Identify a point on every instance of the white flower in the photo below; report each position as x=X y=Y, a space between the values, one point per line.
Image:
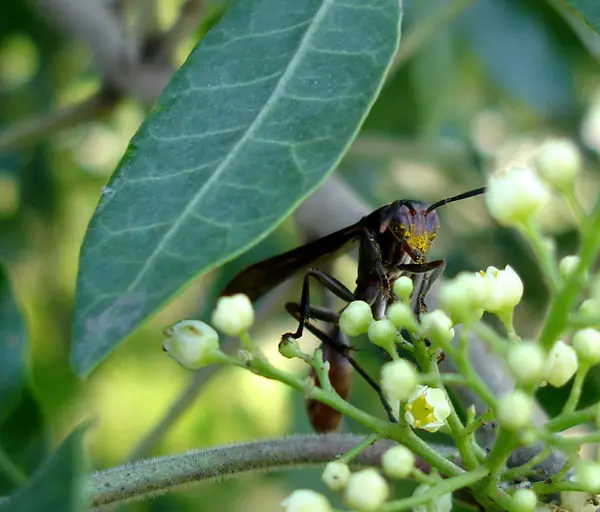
x=192 y=344
x=464 y=296
x=587 y=475
x=515 y=410
x=398 y=379
x=383 y=333
x=403 y=288
x=441 y=504
x=437 y=327
x=587 y=345
x=336 y=475
x=568 y=264
x=561 y=364
x=356 y=318
x=402 y=316
x=367 y=490
x=427 y=408
x=516 y=195
x=304 y=500
x=527 y=362
x=525 y=500
x=398 y=462
x=559 y=162
x=505 y=289
x=233 y=315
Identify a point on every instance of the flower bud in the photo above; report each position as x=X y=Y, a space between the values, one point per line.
x=367 y=490
x=290 y=348
x=383 y=333
x=587 y=475
x=527 y=362
x=505 y=289
x=587 y=345
x=442 y=503
x=356 y=318
x=590 y=307
x=233 y=315
x=304 y=500
x=437 y=327
x=192 y=344
x=568 y=264
x=561 y=364
x=427 y=408
x=515 y=410
x=336 y=475
x=398 y=462
x=398 y=379
x=525 y=500
x=464 y=296
x=516 y=195
x=559 y=162
x=403 y=288
x=402 y=316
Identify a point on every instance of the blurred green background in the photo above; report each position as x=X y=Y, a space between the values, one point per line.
x=477 y=86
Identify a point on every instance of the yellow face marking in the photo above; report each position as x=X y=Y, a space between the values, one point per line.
x=420 y=241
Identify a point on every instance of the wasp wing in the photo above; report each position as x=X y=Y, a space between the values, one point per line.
x=262 y=277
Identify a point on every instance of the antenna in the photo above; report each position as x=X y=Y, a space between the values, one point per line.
x=459 y=197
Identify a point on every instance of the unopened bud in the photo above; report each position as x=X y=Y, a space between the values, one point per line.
x=587 y=345
x=559 y=162
x=336 y=475
x=527 y=363
x=356 y=318
x=587 y=475
x=304 y=500
x=366 y=491
x=437 y=327
x=515 y=410
x=525 y=500
x=561 y=364
x=568 y=265
x=398 y=379
x=233 y=315
x=383 y=333
x=402 y=316
x=398 y=462
x=403 y=288
x=192 y=344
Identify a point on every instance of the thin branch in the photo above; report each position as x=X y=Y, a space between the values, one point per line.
x=156 y=476
x=35 y=129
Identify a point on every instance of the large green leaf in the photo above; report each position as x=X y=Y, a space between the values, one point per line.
x=587 y=10
x=258 y=116
x=13 y=341
x=57 y=485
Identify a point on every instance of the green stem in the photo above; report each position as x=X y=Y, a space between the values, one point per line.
x=478 y=422
x=544 y=255
x=503 y=446
x=566 y=421
x=446 y=378
x=580 y=321
x=350 y=455
x=438 y=490
x=525 y=469
x=11 y=470
x=552 y=487
x=575 y=393
x=563 y=302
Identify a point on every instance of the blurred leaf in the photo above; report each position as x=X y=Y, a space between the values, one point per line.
x=588 y=10
x=521 y=56
x=232 y=147
x=13 y=342
x=57 y=485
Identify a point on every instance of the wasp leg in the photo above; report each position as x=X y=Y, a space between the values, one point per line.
x=432 y=270
x=330 y=283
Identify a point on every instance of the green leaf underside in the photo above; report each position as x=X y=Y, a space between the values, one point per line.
x=259 y=115
x=587 y=10
x=13 y=343
x=57 y=485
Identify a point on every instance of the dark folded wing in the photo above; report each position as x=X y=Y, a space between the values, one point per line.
x=262 y=277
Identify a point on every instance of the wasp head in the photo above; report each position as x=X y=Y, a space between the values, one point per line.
x=414 y=226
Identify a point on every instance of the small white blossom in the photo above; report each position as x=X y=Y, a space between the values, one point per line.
x=305 y=500
x=559 y=162
x=464 y=296
x=367 y=490
x=515 y=410
x=336 y=475
x=505 y=289
x=561 y=364
x=527 y=362
x=403 y=288
x=398 y=379
x=568 y=264
x=587 y=345
x=383 y=333
x=402 y=316
x=587 y=475
x=515 y=196
x=525 y=500
x=398 y=462
x=442 y=503
x=192 y=344
x=427 y=408
x=233 y=315
x=437 y=327
x=356 y=318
